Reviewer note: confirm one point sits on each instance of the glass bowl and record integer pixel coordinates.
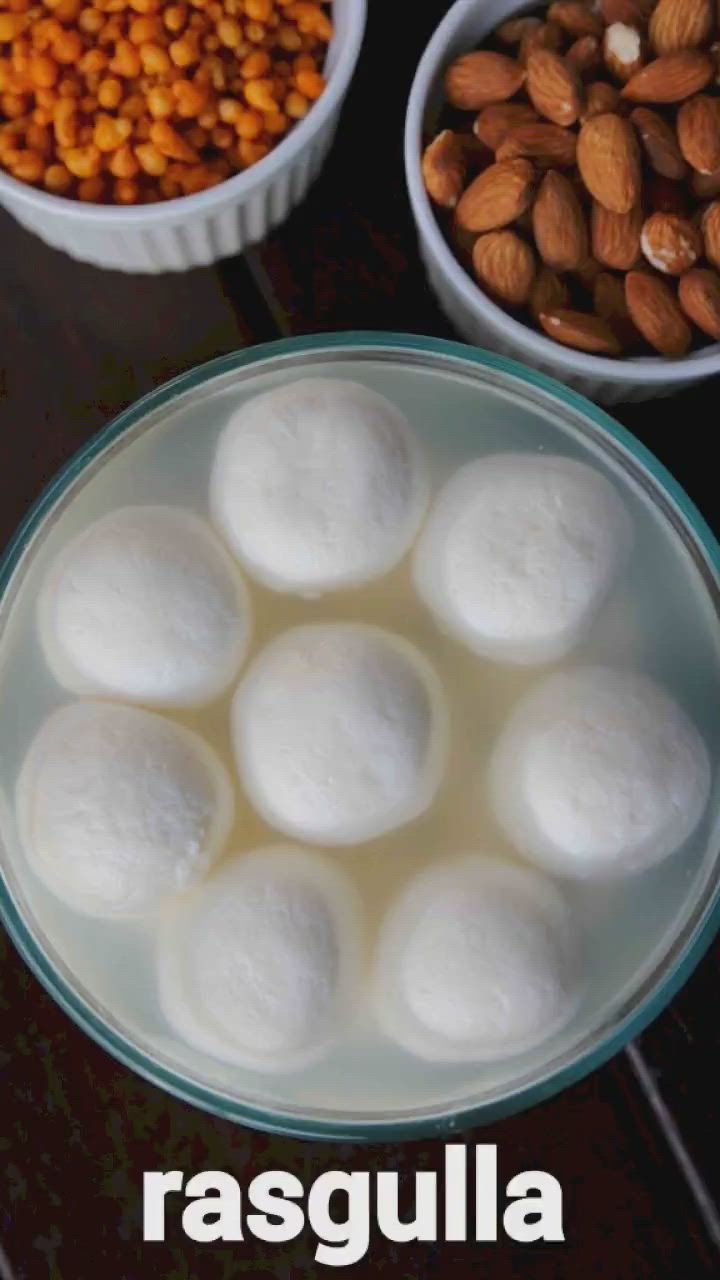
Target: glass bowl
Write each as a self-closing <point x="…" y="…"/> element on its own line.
<point x="463" y="400"/>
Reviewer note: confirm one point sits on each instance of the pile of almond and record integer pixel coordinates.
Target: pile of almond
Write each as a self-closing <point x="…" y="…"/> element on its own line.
<point x="584" y="188"/>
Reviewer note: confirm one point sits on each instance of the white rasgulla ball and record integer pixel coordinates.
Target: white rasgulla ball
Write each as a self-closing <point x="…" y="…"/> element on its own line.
<point x="599" y="774"/>
<point x="340" y="733"/>
<point x="318" y="485"/>
<point x="261" y="966"/>
<point x="119" y="809"/>
<point x="145" y="605"/>
<point x="477" y="959"/>
<point x="519" y="552"/>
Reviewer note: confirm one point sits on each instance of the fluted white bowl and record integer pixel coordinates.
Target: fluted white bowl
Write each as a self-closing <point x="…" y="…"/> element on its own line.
<point x="472" y="311"/>
<point x="194" y="231"/>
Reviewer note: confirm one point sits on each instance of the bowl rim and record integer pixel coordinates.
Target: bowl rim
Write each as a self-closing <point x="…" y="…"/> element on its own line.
<point x="241" y="186"/>
<point x="526" y="341"/>
<point x="676" y="969"/>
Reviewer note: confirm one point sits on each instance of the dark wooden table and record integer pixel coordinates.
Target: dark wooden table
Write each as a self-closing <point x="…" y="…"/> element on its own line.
<point x="635" y="1145"/>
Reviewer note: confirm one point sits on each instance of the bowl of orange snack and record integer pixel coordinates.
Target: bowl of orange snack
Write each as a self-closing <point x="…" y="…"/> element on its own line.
<point x="150" y="136"/>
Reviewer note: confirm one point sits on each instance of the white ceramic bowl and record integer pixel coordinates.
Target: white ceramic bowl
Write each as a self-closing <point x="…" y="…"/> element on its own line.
<point x="193" y="231"/>
<point x="472" y="312"/>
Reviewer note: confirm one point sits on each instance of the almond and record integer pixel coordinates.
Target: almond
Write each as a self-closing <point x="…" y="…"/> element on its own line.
<point x="672" y="78"/>
<point x="705" y="185"/>
<point x="559" y="224"/>
<point x="495" y="122"/>
<point x="478" y="78"/>
<point x="584" y="55"/>
<point x="698" y="127"/>
<point x="515" y="29"/>
<point x="616" y="237"/>
<point x="546" y="144"/>
<point x="670" y="243"/>
<point x="600" y="98"/>
<point x="664" y="196"/>
<point x="610" y="304"/>
<point x="584" y="332"/>
<point x="548" y="36"/>
<point x="553" y="87"/>
<point x="680" y="24"/>
<point x="636" y="12"/>
<point x="576" y="18"/>
<point x="548" y="292"/>
<point x="699" y="296"/>
<point x="711" y="233"/>
<point x="443" y="169"/>
<point x="622" y="51"/>
<point x="505" y="265"/>
<point x="608" y="157"/>
<point x="497" y="196"/>
<point x="655" y="311"/>
<point x="659" y="143"/>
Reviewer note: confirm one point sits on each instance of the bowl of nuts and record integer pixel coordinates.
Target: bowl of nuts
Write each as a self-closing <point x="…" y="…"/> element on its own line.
<point x="151" y="136"/>
<point x="563" y="165"/>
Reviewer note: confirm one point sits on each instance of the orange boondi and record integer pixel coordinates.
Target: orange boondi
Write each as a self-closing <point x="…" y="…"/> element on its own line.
<point x="135" y="101"/>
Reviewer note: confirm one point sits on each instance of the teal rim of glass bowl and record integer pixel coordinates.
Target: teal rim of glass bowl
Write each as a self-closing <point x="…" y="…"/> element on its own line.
<point x="465" y="1116"/>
